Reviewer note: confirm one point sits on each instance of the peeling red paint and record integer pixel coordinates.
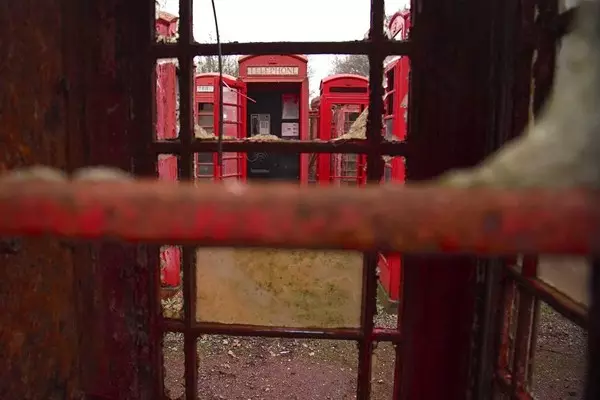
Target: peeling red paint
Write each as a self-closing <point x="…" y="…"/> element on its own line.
<point x="288" y="216"/>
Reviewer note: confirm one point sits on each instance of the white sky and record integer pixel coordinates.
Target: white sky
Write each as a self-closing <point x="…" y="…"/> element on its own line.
<point x="285" y="20"/>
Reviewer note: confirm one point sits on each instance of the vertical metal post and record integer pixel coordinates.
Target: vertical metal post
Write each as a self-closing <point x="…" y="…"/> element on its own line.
<point x="374" y="174"/>
<point x="186" y="83"/>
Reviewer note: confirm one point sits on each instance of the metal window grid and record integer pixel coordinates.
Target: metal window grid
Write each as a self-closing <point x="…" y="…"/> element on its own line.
<point x="521" y="289"/>
<point x="377" y="48"/>
<point x="455" y="224"/>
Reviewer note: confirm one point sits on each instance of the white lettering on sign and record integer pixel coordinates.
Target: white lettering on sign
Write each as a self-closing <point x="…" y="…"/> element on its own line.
<point x="205" y="89"/>
<point x="273" y="71"/>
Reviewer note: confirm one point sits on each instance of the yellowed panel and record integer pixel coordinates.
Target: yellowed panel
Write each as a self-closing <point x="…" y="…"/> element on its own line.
<point x="568" y="274"/>
<point x="279" y="287"/>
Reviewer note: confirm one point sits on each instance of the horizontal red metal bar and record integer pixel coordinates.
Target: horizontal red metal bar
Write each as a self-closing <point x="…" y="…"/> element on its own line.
<point x="181" y="49"/>
<point x="422" y="219"/>
<point x="211" y="328"/>
<point x="562" y="303"/>
<point x="356" y="146"/>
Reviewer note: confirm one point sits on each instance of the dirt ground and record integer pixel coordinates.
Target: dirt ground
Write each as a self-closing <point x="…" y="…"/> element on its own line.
<point x="264" y="368"/>
<point x="271" y="288"/>
<point x="559" y="370"/>
<point x="272" y="369"/>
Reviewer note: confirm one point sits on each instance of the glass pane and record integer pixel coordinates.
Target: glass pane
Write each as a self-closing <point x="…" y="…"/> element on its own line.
<point x="389" y="128"/>
<point x="570" y="275"/>
<point x="230" y="165"/>
<point x="230" y="95"/>
<point x="230" y="113"/>
<point x="204" y="165"/>
<point x="387" y="173"/>
<point x="279" y="287"/>
<point x="206" y="107"/>
<point x="206" y="123"/>
<point x="230" y="131"/>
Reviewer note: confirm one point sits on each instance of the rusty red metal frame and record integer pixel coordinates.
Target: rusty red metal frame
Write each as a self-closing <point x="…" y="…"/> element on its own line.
<point x="523" y="337"/>
<point x="560" y="302"/>
<point x="357" y="146"/>
<point x="418" y="220"/>
<point x="383" y="218"/>
<point x="165" y="50"/>
<point x="377" y="48"/>
<point x="515" y="380"/>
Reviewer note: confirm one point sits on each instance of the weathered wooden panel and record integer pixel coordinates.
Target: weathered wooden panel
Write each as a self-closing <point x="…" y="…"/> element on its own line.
<point x="74" y="320"/>
<point x="449" y="124"/>
<point x="38" y="330"/>
<point x="117" y="343"/>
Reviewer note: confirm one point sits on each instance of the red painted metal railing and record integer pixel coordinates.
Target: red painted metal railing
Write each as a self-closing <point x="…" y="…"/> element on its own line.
<point x="422" y="219"/>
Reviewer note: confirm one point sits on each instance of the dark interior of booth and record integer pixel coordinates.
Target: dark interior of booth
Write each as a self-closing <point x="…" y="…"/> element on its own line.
<point x="266" y="103"/>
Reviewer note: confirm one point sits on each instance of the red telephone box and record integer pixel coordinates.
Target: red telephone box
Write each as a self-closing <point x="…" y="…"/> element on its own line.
<point x="206" y="115"/>
<point x="166" y="24"/>
<point x="166" y="128"/>
<point x="278" y="86"/>
<point x="397" y="72"/>
<point x="313" y="116"/>
<point x="313" y="133"/>
<point x="343" y="98"/>
<point x="396" y="82"/>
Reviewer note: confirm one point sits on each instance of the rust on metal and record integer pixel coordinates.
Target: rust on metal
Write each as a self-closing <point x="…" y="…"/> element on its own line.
<point x="39" y="335"/>
<point x="375" y="168"/>
<point x="396" y="219"/>
<point x="507" y="314"/>
<point x="115" y="290"/>
<point x="504" y="382"/>
<point x="354" y="146"/>
<point x="525" y="312"/>
<point x="85" y="318"/>
<point x="164" y="50"/>
<point x="186" y="84"/>
<point x="560" y="302"/>
<point x="211" y="328"/>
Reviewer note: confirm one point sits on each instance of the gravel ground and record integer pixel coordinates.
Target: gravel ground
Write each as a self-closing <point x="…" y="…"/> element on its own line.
<point x="560" y="357"/>
<point x="235" y="368"/>
<point x="271" y="368"/>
